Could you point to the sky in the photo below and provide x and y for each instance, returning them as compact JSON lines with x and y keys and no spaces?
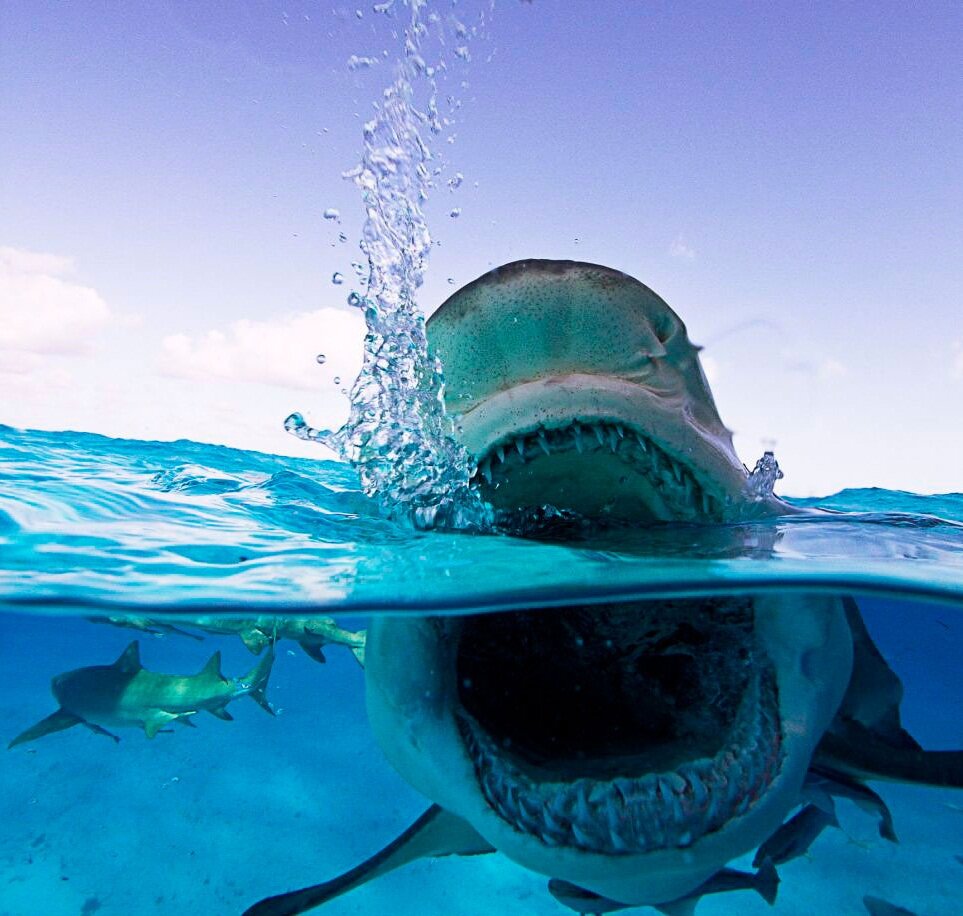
{"x":788,"y":177}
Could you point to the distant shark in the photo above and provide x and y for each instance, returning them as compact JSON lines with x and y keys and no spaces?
{"x":311,"y":633}
{"x":627,"y":752}
{"x":125,"y":694}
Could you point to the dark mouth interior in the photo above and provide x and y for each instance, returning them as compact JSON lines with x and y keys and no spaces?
{"x":605,"y":691}
{"x":619,"y":729}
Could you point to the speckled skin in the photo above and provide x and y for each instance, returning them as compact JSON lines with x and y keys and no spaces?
{"x":546,"y":343}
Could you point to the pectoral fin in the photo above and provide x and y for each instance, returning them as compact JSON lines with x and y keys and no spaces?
{"x":100,"y":730}
{"x":314,"y":651}
{"x":221,"y":713}
{"x":857,"y":751}
{"x":579,"y":899}
{"x":156,"y":721}
{"x":435,"y":833}
{"x":55,"y":722}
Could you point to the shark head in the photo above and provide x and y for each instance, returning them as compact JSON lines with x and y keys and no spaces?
{"x":632,"y":750}
{"x":576,"y":386}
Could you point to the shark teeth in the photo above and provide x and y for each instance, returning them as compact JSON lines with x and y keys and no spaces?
{"x":630,"y":815}
{"x":676,"y":481}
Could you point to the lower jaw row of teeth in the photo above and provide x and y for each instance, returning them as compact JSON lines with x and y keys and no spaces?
{"x":633,"y":815}
{"x":669,"y":474}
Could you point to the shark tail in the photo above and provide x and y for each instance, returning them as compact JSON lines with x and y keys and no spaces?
{"x":766,"y":883}
{"x":254,"y":683}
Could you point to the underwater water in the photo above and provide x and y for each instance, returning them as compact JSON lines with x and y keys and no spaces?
{"x":212,"y":819}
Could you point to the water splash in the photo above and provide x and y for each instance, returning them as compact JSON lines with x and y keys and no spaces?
{"x":397,"y":435}
{"x":763,"y":477}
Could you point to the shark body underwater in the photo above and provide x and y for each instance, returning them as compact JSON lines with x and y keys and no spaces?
{"x":627,"y":752}
{"x":125,"y":694}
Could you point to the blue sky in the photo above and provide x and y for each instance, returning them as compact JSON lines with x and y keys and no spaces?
{"x":788,"y":178}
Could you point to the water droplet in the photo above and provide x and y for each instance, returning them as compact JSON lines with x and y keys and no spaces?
{"x":342,"y":237}
{"x":451,"y":281}
{"x":456,"y":180}
{"x":321,"y":359}
{"x":354,"y":300}
{"x":337,"y":380}
{"x":455,"y":213}
{"x":361,"y":63}
{"x":337,"y":278}
{"x":332,"y":213}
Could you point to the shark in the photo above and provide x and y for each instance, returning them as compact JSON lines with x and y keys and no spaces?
{"x":629,"y":751}
{"x":125,"y":694}
{"x":311,"y":633}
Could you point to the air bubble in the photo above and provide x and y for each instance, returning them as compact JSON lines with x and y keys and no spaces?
{"x":455,"y":213}
{"x":332,"y":213}
{"x":321,"y":359}
{"x":337,"y":278}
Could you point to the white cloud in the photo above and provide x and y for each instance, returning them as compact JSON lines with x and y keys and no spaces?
{"x":679,"y":249}
{"x":41,"y":310}
{"x":282,"y":352}
{"x":826,"y":369}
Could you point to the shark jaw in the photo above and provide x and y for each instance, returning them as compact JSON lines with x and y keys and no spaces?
{"x":623,"y":755}
{"x":632,"y":750}
{"x":574,"y":385}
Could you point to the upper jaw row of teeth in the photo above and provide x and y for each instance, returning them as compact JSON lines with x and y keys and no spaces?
{"x":611,"y":436}
{"x":632,"y":815}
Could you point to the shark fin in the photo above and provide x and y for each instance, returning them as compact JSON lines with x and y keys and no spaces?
{"x":684,"y":907}
{"x":767,"y":879}
{"x":255,"y":683}
{"x":187,"y":720}
{"x":358,"y":653}
{"x":55,"y":722}
{"x":158,"y":719}
{"x":213,"y":667}
{"x":435,"y":833}
{"x":221,"y":713}
{"x":129,"y":660}
{"x":581,"y":900}
{"x":857,"y":751}
{"x":254,"y":640}
{"x":867,"y":740}
{"x":314,"y":651}
{"x":100,"y":730}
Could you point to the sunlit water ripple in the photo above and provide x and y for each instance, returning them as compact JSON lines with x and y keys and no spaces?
{"x":87,"y":522}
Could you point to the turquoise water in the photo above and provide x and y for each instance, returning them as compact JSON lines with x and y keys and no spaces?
{"x":90,"y":523}
{"x":209,"y":820}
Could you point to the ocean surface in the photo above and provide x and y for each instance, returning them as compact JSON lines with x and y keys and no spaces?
{"x":211,"y":819}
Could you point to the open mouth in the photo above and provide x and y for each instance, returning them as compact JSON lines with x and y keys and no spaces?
{"x":628,"y":452}
{"x":619,"y":729}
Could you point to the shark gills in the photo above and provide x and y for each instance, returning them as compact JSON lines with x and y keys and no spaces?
{"x":125,"y":694}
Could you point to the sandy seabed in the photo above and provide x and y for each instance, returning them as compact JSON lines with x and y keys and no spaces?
{"x":210,"y":820}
